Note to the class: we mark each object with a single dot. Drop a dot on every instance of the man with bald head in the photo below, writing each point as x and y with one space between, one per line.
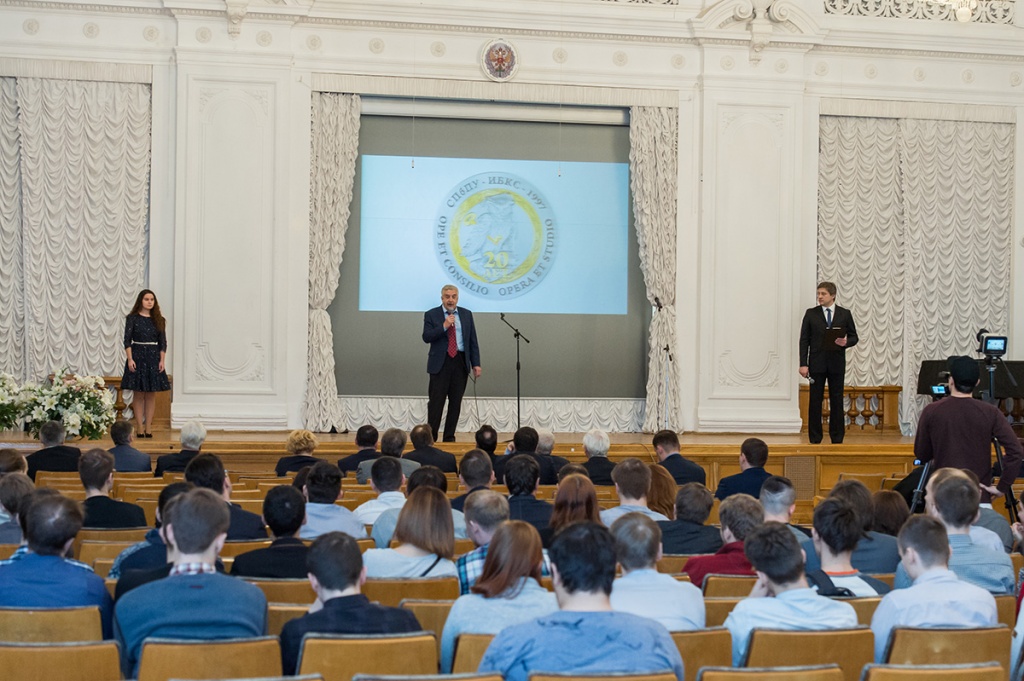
454 354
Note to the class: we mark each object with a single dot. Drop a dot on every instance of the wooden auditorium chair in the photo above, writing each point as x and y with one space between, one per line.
934 672
728 586
699 648
949 645
469 650
164 659
717 609
827 672
391 592
296 591
851 649
431 615
77 661
279 614
340 657
621 676
50 625
481 676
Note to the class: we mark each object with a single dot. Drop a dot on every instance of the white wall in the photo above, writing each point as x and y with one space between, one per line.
231 154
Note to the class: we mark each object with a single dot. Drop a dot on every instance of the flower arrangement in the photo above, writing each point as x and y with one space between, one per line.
81 403
10 402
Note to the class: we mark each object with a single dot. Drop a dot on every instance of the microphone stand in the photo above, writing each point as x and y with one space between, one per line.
519 406
668 361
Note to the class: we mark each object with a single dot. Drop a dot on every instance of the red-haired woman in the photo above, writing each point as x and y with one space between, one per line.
508 591
145 344
575 501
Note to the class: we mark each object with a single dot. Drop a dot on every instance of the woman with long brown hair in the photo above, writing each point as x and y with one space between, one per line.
508 591
575 501
661 495
426 539
145 344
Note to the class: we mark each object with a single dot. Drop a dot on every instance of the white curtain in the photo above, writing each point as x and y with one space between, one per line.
335 141
958 198
914 221
653 135
12 300
85 153
75 221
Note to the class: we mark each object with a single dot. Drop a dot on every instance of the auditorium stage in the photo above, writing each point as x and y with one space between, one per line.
812 468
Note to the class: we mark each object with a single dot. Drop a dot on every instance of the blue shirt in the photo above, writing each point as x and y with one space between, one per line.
678 606
584 643
35 581
991 570
794 610
476 614
936 599
324 518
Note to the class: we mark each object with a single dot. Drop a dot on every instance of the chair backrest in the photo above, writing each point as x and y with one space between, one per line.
481 676
851 649
240 546
728 586
339 658
89 661
1006 609
717 609
91 549
164 659
865 607
102 566
285 590
887 578
827 672
572 676
914 645
131 534
279 614
464 546
7 550
672 563
365 544
431 615
703 648
50 625
391 592
250 505
938 672
469 650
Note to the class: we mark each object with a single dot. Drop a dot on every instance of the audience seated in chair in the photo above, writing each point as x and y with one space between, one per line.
753 457
688 534
836 532
525 442
632 480
876 553
781 598
937 597
151 552
55 455
586 635
284 511
666 446
127 459
392 442
475 473
323 487
953 501
192 437
96 470
575 501
14 487
426 475
336 572
508 592
426 454
300 447
206 471
596 444
740 514
366 440
42 577
642 590
425 536
778 499
486 510
386 480
522 476
193 601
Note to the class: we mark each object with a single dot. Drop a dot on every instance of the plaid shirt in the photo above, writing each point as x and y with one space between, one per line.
22 551
470 566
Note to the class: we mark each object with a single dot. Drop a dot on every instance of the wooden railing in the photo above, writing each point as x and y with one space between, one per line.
875 406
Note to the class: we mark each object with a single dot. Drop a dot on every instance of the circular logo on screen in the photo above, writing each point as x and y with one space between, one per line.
495 235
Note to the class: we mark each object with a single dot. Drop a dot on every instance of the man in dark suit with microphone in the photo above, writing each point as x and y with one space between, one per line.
822 361
454 352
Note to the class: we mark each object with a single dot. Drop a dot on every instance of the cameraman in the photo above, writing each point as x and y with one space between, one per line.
957 432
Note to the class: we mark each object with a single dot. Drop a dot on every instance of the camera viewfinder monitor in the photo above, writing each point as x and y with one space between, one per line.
994 346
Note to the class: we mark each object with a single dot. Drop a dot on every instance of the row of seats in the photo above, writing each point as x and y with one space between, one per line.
847 653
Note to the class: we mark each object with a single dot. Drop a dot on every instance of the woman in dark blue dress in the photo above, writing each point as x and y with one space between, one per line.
145 344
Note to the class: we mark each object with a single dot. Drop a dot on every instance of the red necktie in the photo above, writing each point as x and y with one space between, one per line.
453 347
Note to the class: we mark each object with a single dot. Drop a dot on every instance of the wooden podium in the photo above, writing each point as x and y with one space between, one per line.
162 417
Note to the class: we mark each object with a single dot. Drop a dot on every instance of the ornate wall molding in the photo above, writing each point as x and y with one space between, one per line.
987 12
560 415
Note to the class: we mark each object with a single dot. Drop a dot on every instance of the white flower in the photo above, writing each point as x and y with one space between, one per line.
39 414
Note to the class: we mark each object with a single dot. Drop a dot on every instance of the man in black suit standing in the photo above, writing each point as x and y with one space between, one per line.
821 361
454 353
